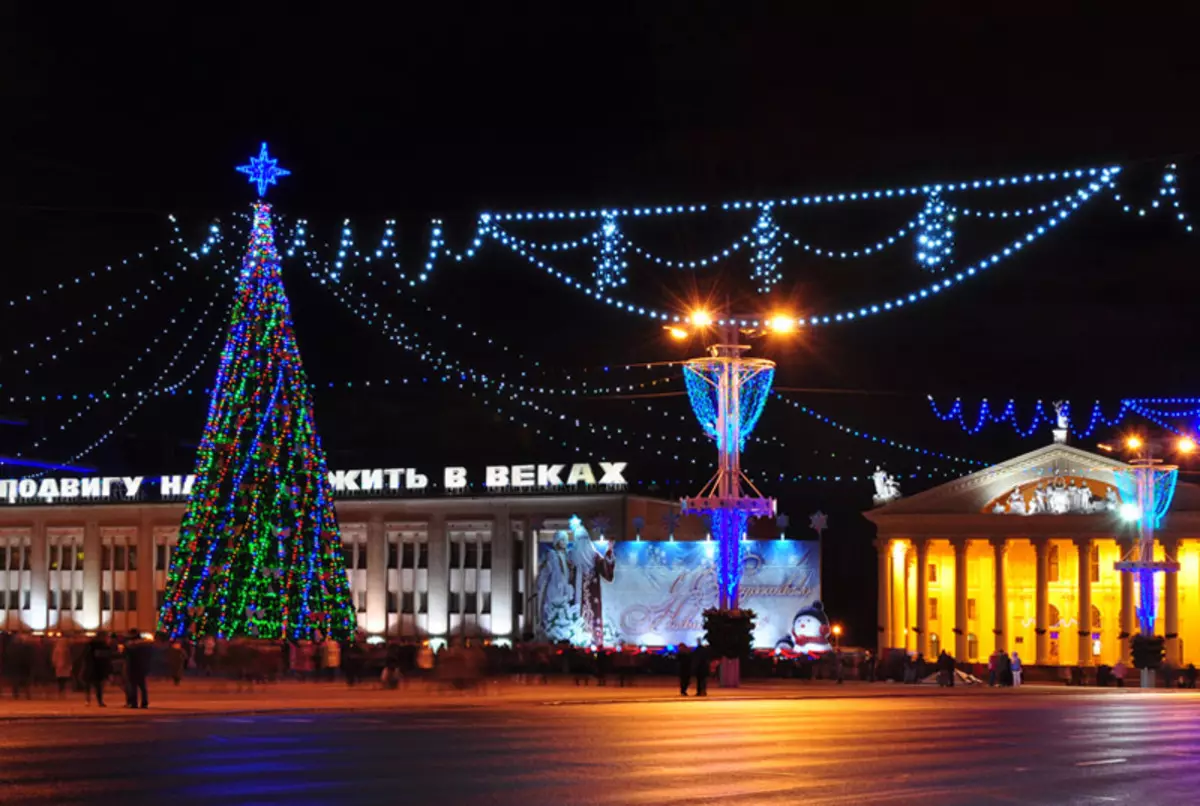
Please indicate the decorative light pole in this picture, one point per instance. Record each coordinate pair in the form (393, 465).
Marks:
(728, 391)
(1147, 490)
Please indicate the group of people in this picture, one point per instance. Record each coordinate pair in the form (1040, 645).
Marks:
(26, 661)
(694, 663)
(1004, 670)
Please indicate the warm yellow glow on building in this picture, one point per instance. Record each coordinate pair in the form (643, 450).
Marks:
(1020, 557)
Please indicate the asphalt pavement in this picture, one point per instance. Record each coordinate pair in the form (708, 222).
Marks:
(968, 747)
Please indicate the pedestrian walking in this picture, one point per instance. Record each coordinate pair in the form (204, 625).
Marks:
(1015, 665)
(97, 666)
(869, 666)
(176, 658)
(1118, 673)
(62, 664)
(994, 669)
(684, 659)
(137, 667)
(700, 662)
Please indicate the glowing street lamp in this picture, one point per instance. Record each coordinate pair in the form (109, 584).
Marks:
(837, 637)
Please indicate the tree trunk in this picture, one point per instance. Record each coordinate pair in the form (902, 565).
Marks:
(731, 673)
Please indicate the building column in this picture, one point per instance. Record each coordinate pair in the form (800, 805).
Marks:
(910, 620)
(90, 616)
(922, 595)
(1171, 605)
(899, 600)
(883, 553)
(377, 576)
(438, 576)
(504, 622)
(147, 612)
(1083, 547)
(1042, 615)
(39, 577)
(1127, 611)
(961, 628)
(1000, 630)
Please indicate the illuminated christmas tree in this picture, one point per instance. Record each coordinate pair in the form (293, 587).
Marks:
(259, 550)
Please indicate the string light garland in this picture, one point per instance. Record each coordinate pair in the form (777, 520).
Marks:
(107, 393)
(765, 261)
(935, 234)
(1144, 407)
(1167, 196)
(103, 318)
(873, 438)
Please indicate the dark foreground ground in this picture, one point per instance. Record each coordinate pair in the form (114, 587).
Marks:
(964, 747)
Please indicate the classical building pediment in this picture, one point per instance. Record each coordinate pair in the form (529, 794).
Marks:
(1057, 481)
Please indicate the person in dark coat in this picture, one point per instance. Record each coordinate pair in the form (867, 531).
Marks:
(18, 666)
(684, 659)
(700, 668)
(97, 666)
(137, 666)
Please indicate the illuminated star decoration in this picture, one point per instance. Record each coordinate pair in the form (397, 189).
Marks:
(575, 523)
(263, 170)
(817, 522)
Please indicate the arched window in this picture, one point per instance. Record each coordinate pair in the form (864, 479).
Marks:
(935, 645)
(1052, 564)
(972, 646)
(1054, 624)
(1096, 622)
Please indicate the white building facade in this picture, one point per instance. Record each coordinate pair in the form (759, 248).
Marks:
(435, 567)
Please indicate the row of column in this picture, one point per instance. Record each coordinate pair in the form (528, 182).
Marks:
(893, 617)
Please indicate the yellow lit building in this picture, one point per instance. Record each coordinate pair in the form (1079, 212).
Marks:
(1020, 557)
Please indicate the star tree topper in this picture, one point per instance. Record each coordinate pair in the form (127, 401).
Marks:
(263, 170)
(818, 522)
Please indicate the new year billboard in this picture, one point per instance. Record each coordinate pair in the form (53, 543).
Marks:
(655, 593)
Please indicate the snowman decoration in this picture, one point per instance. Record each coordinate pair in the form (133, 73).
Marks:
(810, 632)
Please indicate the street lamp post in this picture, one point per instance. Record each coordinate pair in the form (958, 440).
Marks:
(1147, 489)
(728, 390)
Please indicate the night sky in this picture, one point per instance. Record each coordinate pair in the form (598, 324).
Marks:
(112, 122)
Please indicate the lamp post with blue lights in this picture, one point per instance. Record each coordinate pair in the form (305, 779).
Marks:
(728, 391)
(1147, 489)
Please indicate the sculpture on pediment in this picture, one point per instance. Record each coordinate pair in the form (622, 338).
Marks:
(1057, 496)
(887, 488)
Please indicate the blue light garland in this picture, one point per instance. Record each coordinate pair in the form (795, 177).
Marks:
(610, 260)
(935, 234)
(765, 260)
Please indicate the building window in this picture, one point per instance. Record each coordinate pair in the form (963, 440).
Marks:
(486, 605)
(79, 559)
(1094, 563)
(14, 600)
(1097, 622)
(407, 555)
(455, 554)
(160, 557)
(470, 603)
(406, 602)
(1052, 564)
(119, 559)
(55, 554)
(972, 646)
(935, 645)
(78, 600)
(160, 598)
(348, 555)
(393, 600)
(131, 601)
(360, 599)
(52, 600)
(3, 557)
(518, 555)
(933, 572)
(971, 609)
(118, 601)
(68, 558)
(1054, 618)
(485, 555)
(132, 564)
(455, 603)
(25, 603)
(422, 557)
(106, 558)
(423, 601)
(472, 554)
(393, 558)
(933, 614)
